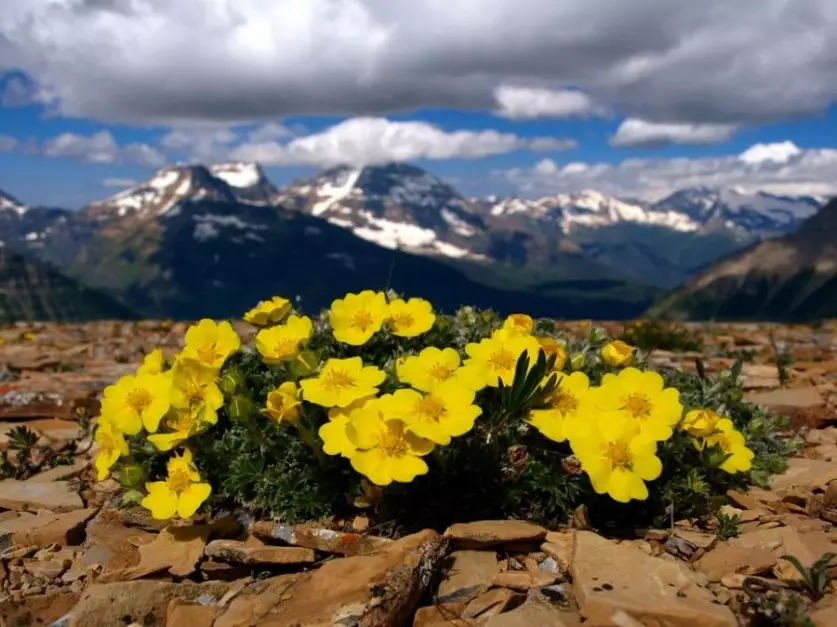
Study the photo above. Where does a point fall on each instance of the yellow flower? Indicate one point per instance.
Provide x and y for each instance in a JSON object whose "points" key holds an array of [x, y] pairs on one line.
{"points": [[617, 353], [700, 424], [571, 410], [448, 411], [112, 446], [520, 324], [618, 459], [357, 317], [182, 492], [211, 343], [268, 311], [341, 382], [732, 443], [195, 388], [153, 363], [640, 398], [334, 433], [134, 402], [410, 318], [551, 347], [180, 424], [387, 450], [432, 366], [283, 403], [281, 343], [497, 356]]}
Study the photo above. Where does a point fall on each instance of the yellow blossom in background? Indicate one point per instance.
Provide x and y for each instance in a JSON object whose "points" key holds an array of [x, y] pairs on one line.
{"points": [[270, 311], [640, 398], [551, 347], [387, 450], [700, 424], [519, 323], [182, 492], [195, 389], [341, 382], [134, 402], [447, 411], [153, 363], [732, 443], [617, 353], [282, 343], [410, 318], [28, 336], [357, 317], [283, 403], [433, 366], [497, 356], [618, 459], [571, 410], [211, 343], [112, 446]]}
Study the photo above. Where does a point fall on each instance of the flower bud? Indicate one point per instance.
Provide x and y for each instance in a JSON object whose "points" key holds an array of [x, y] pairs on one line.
{"points": [[577, 361], [597, 335], [230, 382], [131, 475], [240, 408]]}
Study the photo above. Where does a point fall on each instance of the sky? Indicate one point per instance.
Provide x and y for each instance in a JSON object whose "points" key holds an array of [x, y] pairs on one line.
{"points": [[635, 98]]}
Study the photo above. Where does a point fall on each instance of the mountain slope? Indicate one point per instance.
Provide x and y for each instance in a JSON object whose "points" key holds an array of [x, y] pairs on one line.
{"points": [[31, 290], [10, 203], [788, 278]]}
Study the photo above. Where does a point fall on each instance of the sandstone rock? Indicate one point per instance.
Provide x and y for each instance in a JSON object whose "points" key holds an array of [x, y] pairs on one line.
{"points": [[537, 610], [487, 533], [524, 580], [605, 579], [728, 559], [42, 609], [491, 603], [176, 550], [805, 473], [190, 614], [441, 615], [469, 574], [25, 495], [239, 552], [112, 544], [61, 472], [806, 547], [801, 398], [106, 605], [365, 591], [326, 540], [45, 529]]}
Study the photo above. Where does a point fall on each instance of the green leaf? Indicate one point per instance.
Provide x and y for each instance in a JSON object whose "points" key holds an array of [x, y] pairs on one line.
{"points": [[701, 370], [735, 373]]}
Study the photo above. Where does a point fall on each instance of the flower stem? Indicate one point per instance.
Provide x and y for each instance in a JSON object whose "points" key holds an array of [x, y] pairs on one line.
{"points": [[310, 439]]}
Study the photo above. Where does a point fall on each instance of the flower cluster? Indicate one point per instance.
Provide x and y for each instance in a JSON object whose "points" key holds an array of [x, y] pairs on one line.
{"points": [[386, 386]]}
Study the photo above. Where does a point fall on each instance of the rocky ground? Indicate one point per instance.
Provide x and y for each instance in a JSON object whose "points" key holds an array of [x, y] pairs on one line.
{"points": [[69, 560]]}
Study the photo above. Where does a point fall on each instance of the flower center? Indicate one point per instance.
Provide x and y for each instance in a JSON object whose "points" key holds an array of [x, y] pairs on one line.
{"points": [[285, 346], [179, 480], [431, 407], [107, 442], [502, 359], [181, 421], [403, 321], [208, 354], [637, 405], [139, 399], [440, 372], [564, 402], [362, 319], [619, 454], [392, 439], [335, 380], [194, 392]]}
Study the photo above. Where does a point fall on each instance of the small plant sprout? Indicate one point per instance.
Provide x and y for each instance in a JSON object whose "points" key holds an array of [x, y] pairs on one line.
{"points": [[727, 525], [815, 578]]}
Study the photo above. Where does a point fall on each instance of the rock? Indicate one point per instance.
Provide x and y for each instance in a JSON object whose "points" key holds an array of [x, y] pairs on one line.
{"points": [[727, 559], [61, 472], [45, 529], [605, 579], [26, 495], [799, 398], [176, 550], [441, 615], [48, 570], [364, 591], [490, 603], [106, 605], [806, 547], [806, 474], [469, 574], [560, 547], [476, 535], [524, 580], [190, 614], [42, 609], [112, 544], [536, 611], [239, 552], [325, 540]]}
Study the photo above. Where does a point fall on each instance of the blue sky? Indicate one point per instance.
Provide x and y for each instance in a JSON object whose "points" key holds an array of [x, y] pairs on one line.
{"points": [[527, 97]]}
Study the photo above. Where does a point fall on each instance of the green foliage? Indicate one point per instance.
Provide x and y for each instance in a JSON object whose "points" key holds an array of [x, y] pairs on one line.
{"points": [[773, 606], [25, 457], [815, 578], [727, 525], [652, 334]]}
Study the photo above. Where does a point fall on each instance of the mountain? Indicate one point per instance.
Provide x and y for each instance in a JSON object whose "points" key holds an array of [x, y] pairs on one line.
{"points": [[247, 181], [10, 203], [32, 290], [788, 278]]}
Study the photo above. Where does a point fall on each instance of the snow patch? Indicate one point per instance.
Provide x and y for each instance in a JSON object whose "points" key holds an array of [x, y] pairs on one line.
{"points": [[335, 193], [207, 225], [240, 175], [460, 227], [389, 234], [163, 179]]}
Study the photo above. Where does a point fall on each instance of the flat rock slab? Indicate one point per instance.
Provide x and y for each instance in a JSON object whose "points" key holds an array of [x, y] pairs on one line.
{"points": [[56, 496], [320, 539], [477, 535], [805, 473], [801, 398], [468, 574], [45, 529], [729, 559], [240, 553], [608, 577]]}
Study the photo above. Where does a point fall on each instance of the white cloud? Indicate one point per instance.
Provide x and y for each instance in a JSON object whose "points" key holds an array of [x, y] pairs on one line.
{"points": [[714, 61], [812, 171], [522, 103], [780, 152], [8, 144], [269, 132], [102, 148], [368, 141], [118, 182], [634, 132], [200, 143]]}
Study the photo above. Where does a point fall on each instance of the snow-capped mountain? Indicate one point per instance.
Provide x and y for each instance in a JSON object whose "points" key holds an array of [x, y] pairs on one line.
{"points": [[752, 215], [247, 181], [10, 203], [395, 206], [588, 208]]}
